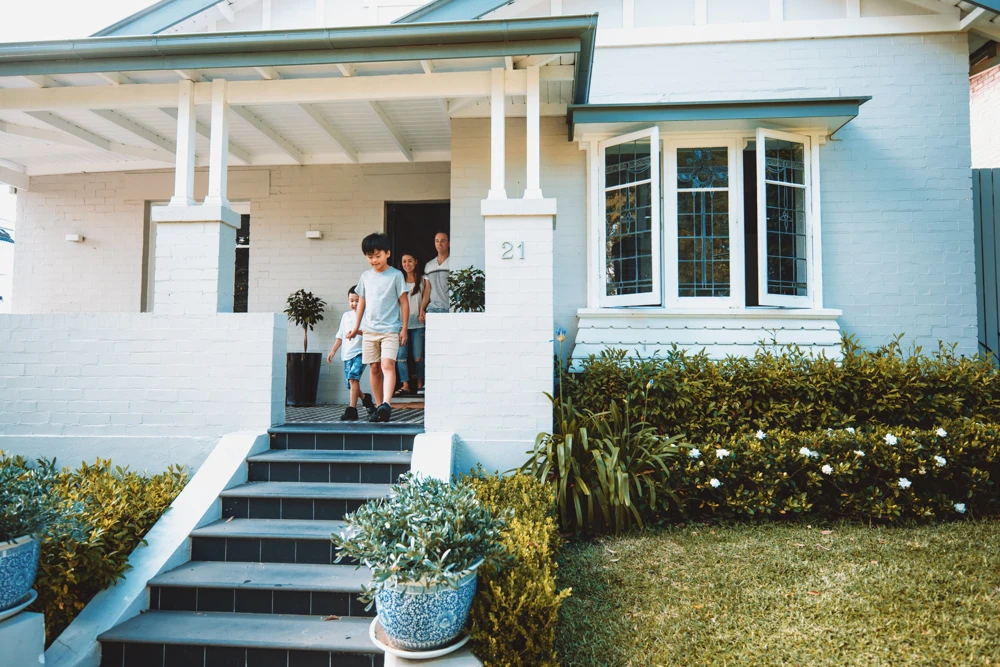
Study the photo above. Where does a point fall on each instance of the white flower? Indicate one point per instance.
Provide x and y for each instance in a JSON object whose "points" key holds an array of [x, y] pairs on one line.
{"points": [[721, 453], [714, 483], [960, 508], [760, 435], [922, 471], [941, 461], [904, 483], [890, 439], [809, 453], [859, 452], [827, 469], [695, 453], [850, 429], [804, 452], [942, 434]]}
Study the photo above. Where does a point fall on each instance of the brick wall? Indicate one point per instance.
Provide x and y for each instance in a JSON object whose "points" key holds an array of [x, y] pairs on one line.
{"points": [[985, 103], [896, 184], [152, 389]]}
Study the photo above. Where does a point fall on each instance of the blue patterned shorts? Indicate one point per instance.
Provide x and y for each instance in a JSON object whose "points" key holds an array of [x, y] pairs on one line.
{"points": [[353, 369]]}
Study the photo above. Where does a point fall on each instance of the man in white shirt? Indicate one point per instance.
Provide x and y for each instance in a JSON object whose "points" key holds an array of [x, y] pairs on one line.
{"points": [[437, 300]]}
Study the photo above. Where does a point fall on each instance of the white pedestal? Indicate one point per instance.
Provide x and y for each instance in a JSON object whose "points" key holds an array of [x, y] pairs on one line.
{"points": [[463, 658], [22, 639]]}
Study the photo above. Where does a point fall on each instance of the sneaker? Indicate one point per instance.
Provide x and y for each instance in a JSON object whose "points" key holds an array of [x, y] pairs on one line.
{"points": [[384, 412], [350, 415], [373, 416], [420, 391], [366, 400]]}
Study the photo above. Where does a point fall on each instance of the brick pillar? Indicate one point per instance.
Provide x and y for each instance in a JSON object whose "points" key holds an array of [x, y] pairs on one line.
{"points": [[195, 259]]}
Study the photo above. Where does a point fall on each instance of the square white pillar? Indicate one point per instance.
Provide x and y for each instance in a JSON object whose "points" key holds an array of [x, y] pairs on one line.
{"points": [[218, 158], [184, 165], [498, 132]]}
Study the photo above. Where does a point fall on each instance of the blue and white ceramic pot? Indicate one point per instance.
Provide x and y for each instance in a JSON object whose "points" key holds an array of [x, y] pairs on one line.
{"points": [[18, 566], [420, 618]]}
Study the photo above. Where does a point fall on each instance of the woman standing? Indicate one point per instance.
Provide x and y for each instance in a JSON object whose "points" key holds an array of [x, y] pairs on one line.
{"points": [[417, 286]]}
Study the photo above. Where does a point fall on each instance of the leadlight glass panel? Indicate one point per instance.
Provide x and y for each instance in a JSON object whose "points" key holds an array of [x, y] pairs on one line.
{"points": [[785, 212], [628, 219], [703, 243]]}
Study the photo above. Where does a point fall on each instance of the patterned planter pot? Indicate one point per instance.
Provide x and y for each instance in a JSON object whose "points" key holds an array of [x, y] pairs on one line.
{"points": [[421, 618], [18, 566]]}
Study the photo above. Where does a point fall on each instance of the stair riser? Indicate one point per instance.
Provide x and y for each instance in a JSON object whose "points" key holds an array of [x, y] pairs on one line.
{"points": [[251, 601], [170, 655], [379, 442], [319, 509], [251, 550], [365, 473]]}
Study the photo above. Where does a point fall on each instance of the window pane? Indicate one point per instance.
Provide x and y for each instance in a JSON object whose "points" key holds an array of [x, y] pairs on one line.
{"points": [[786, 240], [628, 219], [784, 161], [703, 222], [702, 168]]}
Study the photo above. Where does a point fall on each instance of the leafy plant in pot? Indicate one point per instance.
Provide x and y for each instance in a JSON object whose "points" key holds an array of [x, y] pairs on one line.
{"points": [[423, 543], [29, 512], [302, 369]]}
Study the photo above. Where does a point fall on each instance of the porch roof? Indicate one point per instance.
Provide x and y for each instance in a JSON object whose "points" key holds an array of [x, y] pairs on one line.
{"points": [[828, 113], [315, 96]]}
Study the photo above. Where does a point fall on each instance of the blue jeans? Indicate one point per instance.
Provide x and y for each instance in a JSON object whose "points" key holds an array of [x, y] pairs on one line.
{"points": [[353, 368], [415, 346]]}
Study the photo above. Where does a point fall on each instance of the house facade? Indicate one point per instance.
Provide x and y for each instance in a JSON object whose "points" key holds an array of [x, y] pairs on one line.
{"points": [[712, 174]]}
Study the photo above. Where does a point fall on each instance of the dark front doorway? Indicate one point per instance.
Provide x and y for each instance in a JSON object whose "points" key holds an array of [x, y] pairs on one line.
{"points": [[411, 227]]}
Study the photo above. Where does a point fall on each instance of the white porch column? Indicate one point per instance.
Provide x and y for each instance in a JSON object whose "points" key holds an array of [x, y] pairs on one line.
{"points": [[534, 148], [498, 141], [218, 157], [184, 165], [195, 265]]}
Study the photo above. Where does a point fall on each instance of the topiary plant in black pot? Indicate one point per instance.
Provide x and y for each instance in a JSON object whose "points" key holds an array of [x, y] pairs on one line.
{"points": [[302, 369]]}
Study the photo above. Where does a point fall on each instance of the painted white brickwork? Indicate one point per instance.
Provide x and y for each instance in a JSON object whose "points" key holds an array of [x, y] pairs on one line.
{"points": [[195, 268], [148, 389], [986, 119], [487, 372]]}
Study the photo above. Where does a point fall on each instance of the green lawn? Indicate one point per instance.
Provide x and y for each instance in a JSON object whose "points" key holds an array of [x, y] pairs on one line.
{"points": [[785, 595]]}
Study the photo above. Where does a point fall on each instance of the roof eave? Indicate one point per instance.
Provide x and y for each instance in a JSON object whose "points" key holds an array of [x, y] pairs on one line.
{"points": [[156, 18], [452, 10]]}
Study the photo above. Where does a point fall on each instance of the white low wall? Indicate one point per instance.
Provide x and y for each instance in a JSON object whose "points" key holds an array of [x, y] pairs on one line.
{"points": [[144, 390]]}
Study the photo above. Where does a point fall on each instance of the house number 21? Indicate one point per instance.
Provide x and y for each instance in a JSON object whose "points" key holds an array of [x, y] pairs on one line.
{"points": [[509, 248]]}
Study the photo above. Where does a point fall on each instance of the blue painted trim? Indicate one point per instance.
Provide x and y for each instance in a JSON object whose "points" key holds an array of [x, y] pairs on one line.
{"points": [[156, 18], [452, 10], [720, 111]]}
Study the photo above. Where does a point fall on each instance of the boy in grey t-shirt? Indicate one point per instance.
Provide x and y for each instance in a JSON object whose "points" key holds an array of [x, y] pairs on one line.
{"points": [[382, 315]]}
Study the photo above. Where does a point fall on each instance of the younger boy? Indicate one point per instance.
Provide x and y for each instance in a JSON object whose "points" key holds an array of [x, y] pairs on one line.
{"points": [[353, 368], [382, 314]]}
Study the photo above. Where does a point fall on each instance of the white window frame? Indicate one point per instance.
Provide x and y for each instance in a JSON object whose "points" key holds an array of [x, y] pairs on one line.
{"points": [[737, 263], [655, 296], [783, 300]]}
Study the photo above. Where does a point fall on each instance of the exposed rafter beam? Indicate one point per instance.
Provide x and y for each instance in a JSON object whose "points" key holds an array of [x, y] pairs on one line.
{"points": [[235, 152], [397, 138], [977, 15], [13, 174], [427, 66], [268, 132], [41, 81], [508, 62], [138, 130], [346, 70], [541, 61], [268, 73], [338, 138], [115, 78], [190, 74], [226, 11], [458, 105], [935, 6], [85, 138]]}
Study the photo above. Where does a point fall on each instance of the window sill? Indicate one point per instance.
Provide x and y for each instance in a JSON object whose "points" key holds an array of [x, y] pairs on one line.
{"points": [[712, 313]]}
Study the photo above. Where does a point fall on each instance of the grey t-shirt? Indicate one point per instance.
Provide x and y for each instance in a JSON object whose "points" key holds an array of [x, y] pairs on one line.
{"points": [[381, 292], [437, 275]]}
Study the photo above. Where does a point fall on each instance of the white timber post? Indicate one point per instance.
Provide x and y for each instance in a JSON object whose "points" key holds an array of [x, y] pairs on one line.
{"points": [[195, 263], [498, 141], [534, 148], [184, 165], [218, 157]]}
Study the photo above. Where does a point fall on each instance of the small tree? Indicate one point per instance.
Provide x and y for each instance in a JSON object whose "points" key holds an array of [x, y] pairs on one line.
{"points": [[468, 290], [305, 310]]}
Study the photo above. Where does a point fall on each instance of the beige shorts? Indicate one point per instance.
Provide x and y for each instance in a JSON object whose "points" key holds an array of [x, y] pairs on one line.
{"points": [[376, 346]]}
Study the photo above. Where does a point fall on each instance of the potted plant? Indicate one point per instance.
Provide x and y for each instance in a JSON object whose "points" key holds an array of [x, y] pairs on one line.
{"points": [[423, 544], [30, 510], [302, 370]]}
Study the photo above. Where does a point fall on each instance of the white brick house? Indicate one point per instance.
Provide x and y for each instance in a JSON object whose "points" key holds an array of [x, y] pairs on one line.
{"points": [[851, 118]]}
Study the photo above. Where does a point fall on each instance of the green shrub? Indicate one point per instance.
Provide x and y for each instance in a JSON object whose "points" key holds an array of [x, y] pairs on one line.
{"points": [[28, 506], [514, 614], [883, 473], [116, 507], [707, 401]]}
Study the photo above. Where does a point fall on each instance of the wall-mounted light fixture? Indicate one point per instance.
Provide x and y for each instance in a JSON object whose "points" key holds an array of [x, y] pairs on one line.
{"points": [[74, 238], [314, 234]]}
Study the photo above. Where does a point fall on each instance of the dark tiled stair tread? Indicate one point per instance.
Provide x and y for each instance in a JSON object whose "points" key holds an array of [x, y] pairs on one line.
{"points": [[322, 490], [265, 576], [305, 633], [350, 427], [286, 529], [331, 456]]}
